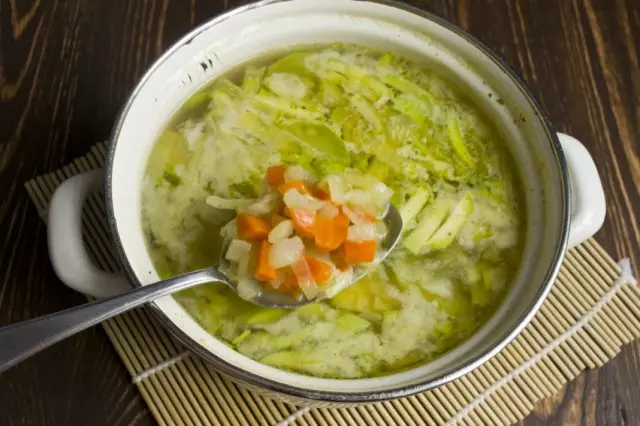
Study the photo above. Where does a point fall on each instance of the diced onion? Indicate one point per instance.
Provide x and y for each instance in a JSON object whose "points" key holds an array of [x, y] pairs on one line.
{"points": [[358, 196], [354, 216], [285, 252], [329, 210], [248, 288], [294, 173], [295, 200], [243, 266], [281, 231], [381, 193], [337, 189], [237, 249], [380, 230], [305, 279], [361, 232]]}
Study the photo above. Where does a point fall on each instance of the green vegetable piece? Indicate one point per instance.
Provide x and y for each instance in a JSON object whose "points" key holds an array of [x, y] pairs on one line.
{"points": [[412, 107], [410, 210], [368, 112], [171, 149], [352, 323], [293, 63], [456, 141], [284, 106], [324, 167], [291, 360], [314, 311], [241, 337], [321, 139], [253, 78], [266, 316], [406, 86], [445, 235], [196, 100], [430, 220]]}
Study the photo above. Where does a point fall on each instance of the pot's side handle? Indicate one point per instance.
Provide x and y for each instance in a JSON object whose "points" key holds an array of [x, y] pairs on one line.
{"points": [[66, 247], [588, 205]]}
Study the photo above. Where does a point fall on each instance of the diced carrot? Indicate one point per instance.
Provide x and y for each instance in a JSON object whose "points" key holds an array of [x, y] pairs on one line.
{"points": [[320, 270], [251, 227], [264, 271], [337, 256], [359, 252], [330, 233], [303, 221], [294, 184], [321, 194], [275, 175]]}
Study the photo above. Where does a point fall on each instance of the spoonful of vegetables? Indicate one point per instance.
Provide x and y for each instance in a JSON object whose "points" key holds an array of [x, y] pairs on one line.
{"points": [[300, 242]]}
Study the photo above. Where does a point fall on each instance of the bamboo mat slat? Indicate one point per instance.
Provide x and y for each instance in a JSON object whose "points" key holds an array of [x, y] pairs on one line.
{"points": [[592, 310]]}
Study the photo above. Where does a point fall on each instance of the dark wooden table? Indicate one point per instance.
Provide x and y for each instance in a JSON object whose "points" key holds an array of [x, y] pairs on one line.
{"points": [[66, 66]]}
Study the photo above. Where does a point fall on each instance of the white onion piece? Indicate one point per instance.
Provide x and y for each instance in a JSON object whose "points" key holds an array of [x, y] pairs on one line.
{"points": [[381, 193], [361, 232], [294, 173], [381, 230], [337, 189], [237, 249], [354, 216], [295, 200], [248, 288], [285, 252], [264, 205], [281, 231], [358, 196], [243, 266], [329, 211], [305, 279]]}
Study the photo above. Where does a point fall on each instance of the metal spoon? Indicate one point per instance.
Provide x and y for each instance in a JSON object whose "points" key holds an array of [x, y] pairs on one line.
{"points": [[20, 341]]}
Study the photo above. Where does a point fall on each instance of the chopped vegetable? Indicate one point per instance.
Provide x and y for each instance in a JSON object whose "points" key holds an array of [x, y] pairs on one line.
{"points": [[264, 270], [321, 271], [237, 249], [330, 233], [280, 231], [356, 252], [445, 235], [285, 252], [275, 175], [296, 184], [303, 221], [251, 228]]}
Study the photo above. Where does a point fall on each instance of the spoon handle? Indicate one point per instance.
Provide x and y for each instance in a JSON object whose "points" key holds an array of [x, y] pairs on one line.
{"points": [[20, 341]]}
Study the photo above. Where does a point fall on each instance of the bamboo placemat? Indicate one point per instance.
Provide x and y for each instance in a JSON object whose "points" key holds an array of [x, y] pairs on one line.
{"points": [[590, 313]]}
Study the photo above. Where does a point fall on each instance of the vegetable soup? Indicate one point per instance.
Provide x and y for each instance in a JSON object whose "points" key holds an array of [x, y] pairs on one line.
{"points": [[288, 162]]}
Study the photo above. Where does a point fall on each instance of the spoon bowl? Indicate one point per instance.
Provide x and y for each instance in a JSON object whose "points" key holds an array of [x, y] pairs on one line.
{"points": [[271, 299]]}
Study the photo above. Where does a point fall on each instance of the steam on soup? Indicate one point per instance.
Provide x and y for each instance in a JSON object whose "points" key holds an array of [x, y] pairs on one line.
{"points": [[340, 111]]}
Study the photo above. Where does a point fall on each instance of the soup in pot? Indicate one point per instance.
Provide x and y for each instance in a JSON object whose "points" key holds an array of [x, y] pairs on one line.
{"points": [[362, 127]]}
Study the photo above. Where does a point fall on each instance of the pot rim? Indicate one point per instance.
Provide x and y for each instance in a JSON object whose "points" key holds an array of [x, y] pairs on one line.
{"points": [[343, 397]]}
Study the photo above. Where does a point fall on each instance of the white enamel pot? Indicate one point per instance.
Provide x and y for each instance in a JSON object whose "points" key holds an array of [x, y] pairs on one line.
{"points": [[564, 198]]}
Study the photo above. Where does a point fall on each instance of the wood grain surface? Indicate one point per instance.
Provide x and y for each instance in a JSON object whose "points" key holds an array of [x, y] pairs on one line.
{"points": [[66, 66]]}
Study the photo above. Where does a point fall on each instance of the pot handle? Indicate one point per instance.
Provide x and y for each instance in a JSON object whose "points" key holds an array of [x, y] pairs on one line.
{"points": [[588, 205], [66, 247]]}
